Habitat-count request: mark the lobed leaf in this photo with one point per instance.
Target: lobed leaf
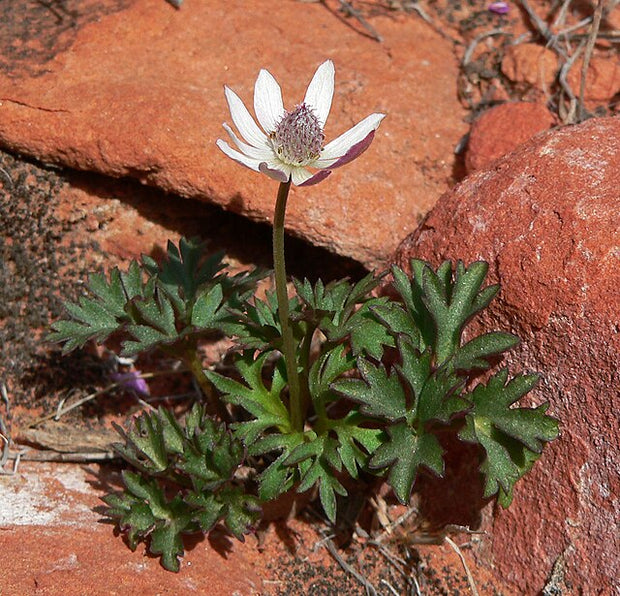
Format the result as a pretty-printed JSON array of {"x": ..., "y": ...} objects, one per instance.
[
  {"x": 405, "y": 452},
  {"x": 264, "y": 404},
  {"x": 512, "y": 437}
]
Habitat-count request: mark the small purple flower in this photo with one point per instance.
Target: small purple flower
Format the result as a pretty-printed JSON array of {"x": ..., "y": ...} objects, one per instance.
[
  {"x": 499, "y": 7},
  {"x": 132, "y": 381}
]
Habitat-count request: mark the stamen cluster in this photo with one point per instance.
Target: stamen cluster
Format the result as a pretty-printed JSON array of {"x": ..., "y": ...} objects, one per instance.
[{"x": 298, "y": 137}]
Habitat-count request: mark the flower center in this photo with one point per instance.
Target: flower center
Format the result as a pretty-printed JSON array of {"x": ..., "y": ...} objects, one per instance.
[{"x": 298, "y": 137}]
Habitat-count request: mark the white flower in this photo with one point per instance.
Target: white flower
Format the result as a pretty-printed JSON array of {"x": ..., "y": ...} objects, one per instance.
[{"x": 292, "y": 141}]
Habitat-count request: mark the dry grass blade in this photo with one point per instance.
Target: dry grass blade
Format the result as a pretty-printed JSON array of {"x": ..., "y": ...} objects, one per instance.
[
  {"x": 331, "y": 548},
  {"x": 598, "y": 14},
  {"x": 349, "y": 10},
  {"x": 470, "y": 577}
]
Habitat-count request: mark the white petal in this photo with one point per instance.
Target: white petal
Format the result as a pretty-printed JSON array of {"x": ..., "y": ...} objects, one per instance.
[
  {"x": 276, "y": 173},
  {"x": 316, "y": 178},
  {"x": 268, "y": 104},
  {"x": 243, "y": 120},
  {"x": 299, "y": 175},
  {"x": 244, "y": 160},
  {"x": 321, "y": 91},
  {"x": 260, "y": 153},
  {"x": 340, "y": 145}
]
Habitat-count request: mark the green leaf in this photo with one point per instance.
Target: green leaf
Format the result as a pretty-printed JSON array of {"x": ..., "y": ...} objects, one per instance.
[
  {"x": 380, "y": 393},
  {"x": 156, "y": 324},
  {"x": 205, "y": 310},
  {"x": 278, "y": 477},
  {"x": 405, "y": 452},
  {"x": 144, "y": 444},
  {"x": 325, "y": 370},
  {"x": 209, "y": 509},
  {"x": 341, "y": 310},
  {"x": 351, "y": 436},
  {"x": 398, "y": 322},
  {"x": 452, "y": 303},
  {"x": 171, "y": 303},
  {"x": 421, "y": 329},
  {"x": 414, "y": 401},
  {"x": 507, "y": 433},
  {"x": 477, "y": 353},
  {"x": 144, "y": 511},
  {"x": 241, "y": 511},
  {"x": 439, "y": 305},
  {"x": 174, "y": 438},
  {"x": 134, "y": 515},
  {"x": 201, "y": 457},
  {"x": 258, "y": 324},
  {"x": 322, "y": 464},
  {"x": 237, "y": 510},
  {"x": 264, "y": 404},
  {"x": 211, "y": 456},
  {"x": 105, "y": 313},
  {"x": 435, "y": 391},
  {"x": 166, "y": 541},
  {"x": 369, "y": 335},
  {"x": 184, "y": 270}
]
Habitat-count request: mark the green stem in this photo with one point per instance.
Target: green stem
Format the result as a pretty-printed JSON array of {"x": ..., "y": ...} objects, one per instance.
[
  {"x": 304, "y": 361},
  {"x": 193, "y": 362},
  {"x": 288, "y": 341}
]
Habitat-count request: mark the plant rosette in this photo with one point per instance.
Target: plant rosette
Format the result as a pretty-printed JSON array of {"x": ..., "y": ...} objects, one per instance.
[{"x": 328, "y": 384}]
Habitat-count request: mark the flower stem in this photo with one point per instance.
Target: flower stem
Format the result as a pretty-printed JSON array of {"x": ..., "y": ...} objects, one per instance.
[
  {"x": 288, "y": 341},
  {"x": 191, "y": 359}
]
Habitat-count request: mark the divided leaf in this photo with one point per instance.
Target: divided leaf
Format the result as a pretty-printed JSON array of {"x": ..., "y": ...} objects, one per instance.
[
  {"x": 405, "y": 452},
  {"x": 413, "y": 402},
  {"x": 440, "y": 303},
  {"x": 177, "y": 301},
  {"x": 264, "y": 404},
  {"x": 143, "y": 510},
  {"x": 512, "y": 437},
  {"x": 201, "y": 458},
  {"x": 342, "y": 310},
  {"x": 106, "y": 312}
]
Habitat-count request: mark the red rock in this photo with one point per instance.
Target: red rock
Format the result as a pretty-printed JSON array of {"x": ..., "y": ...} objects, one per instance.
[
  {"x": 52, "y": 543},
  {"x": 546, "y": 219},
  {"x": 602, "y": 80},
  {"x": 140, "y": 93},
  {"x": 503, "y": 128},
  {"x": 63, "y": 549},
  {"x": 532, "y": 64}
]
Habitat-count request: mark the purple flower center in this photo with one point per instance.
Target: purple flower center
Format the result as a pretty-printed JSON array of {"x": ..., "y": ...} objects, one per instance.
[{"x": 298, "y": 137}]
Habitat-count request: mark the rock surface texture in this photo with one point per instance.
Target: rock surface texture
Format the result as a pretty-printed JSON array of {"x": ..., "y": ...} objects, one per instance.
[
  {"x": 52, "y": 502},
  {"x": 546, "y": 219},
  {"x": 135, "y": 88},
  {"x": 503, "y": 128}
]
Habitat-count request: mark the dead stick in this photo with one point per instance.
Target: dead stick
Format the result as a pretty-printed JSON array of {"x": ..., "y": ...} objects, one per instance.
[
  {"x": 598, "y": 14},
  {"x": 470, "y": 577},
  {"x": 329, "y": 545},
  {"x": 348, "y": 9}
]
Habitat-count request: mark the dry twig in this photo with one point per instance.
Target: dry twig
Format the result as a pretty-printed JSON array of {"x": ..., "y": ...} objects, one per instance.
[
  {"x": 470, "y": 577},
  {"x": 333, "y": 551},
  {"x": 598, "y": 13}
]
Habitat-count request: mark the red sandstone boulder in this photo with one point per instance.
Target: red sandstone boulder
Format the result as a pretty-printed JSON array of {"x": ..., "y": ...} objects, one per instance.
[
  {"x": 136, "y": 89},
  {"x": 546, "y": 218},
  {"x": 532, "y": 64},
  {"x": 602, "y": 80},
  {"x": 503, "y": 128}
]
